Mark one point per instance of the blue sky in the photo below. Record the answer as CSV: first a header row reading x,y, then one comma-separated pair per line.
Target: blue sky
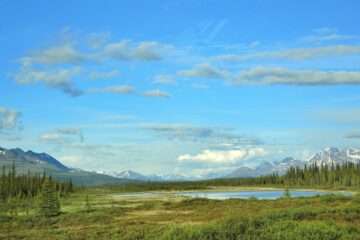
x,y
179,86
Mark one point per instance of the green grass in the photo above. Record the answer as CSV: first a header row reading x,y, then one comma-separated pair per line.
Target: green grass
x,y
178,218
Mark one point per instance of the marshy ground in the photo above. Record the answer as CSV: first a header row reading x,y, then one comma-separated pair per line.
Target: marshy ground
x,y
112,215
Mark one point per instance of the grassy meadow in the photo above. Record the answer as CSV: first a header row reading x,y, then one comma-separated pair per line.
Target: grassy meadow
x,y
107,213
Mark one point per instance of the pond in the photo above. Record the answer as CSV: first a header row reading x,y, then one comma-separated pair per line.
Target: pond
x,y
259,194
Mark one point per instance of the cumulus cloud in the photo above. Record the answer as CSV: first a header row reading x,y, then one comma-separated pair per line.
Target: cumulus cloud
x,y
295,54
223,157
143,51
54,66
59,79
164,79
284,76
148,51
122,50
156,93
119,50
121,89
63,54
63,136
203,71
9,119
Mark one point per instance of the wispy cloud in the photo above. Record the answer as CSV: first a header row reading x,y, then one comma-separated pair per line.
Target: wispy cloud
x,y
353,135
59,79
208,135
63,54
98,40
341,116
322,35
9,119
143,51
95,75
204,71
164,79
124,50
285,76
121,89
296,54
156,93
62,136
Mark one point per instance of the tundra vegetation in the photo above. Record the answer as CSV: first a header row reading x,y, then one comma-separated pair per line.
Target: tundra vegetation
x,y
39,207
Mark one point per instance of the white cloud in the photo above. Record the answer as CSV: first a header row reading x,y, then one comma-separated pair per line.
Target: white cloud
x,y
223,157
63,54
284,76
121,89
119,50
209,135
148,51
97,40
296,54
353,135
60,78
9,119
346,116
103,75
63,136
51,137
144,51
70,160
164,79
156,93
204,71
321,35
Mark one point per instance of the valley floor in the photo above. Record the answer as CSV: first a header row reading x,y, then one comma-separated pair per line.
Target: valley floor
x,y
109,215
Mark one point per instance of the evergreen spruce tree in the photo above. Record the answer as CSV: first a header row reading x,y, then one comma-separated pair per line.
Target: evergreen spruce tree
x,y
49,201
87,204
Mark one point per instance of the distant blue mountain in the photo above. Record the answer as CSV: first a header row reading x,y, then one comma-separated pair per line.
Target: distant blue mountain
x,y
29,161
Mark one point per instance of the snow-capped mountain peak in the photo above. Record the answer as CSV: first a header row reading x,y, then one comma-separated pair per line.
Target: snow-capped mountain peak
x,y
353,153
332,155
127,174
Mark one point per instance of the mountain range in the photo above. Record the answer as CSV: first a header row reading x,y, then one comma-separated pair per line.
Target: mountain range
x,y
29,161
333,155
327,156
39,162
132,175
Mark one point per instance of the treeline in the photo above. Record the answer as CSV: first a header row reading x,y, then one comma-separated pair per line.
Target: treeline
x,y
344,175
28,185
334,175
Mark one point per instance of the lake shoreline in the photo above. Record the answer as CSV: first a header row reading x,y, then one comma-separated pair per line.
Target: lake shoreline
x,y
206,193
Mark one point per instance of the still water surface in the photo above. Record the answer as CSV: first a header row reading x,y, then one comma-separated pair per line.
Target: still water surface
x,y
266,194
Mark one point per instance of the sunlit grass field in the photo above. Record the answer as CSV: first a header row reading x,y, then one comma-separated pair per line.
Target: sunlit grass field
x,y
103,213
